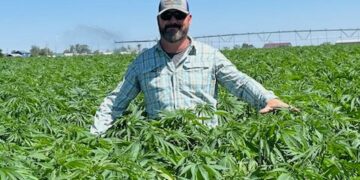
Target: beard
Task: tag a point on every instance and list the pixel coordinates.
(173, 33)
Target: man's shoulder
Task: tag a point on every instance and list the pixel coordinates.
(206, 52)
(148, 60)
(203, 48)
(146, 55)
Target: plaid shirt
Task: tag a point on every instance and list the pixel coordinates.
(167, 86)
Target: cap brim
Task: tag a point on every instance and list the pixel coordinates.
(182, 10)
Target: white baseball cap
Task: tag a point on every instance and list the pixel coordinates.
(181, 5)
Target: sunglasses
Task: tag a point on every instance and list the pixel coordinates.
(176, 14)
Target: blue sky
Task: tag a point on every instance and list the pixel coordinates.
(57, 24)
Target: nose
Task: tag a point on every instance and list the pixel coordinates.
(173, 19)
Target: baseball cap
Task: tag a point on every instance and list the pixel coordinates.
(181, 5)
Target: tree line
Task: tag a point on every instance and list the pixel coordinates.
(36, 51)
(74, 49)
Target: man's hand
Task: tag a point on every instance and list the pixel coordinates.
(276, 104)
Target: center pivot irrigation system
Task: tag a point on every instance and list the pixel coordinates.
(259, 39)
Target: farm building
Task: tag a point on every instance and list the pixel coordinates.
(19, 54)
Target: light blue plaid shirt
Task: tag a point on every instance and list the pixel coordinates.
(166, 86)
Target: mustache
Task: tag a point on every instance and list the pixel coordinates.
(173, 26)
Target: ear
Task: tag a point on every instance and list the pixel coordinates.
(190, 18)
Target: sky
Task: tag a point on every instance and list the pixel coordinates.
(57, 24)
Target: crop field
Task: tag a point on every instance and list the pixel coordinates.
(47, 105)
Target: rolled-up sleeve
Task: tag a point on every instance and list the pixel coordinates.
(240, 84)
(116, 102)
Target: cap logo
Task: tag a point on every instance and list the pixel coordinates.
(172, 2)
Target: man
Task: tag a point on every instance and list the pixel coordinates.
(178, 73)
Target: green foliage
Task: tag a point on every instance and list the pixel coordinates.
(47, 105)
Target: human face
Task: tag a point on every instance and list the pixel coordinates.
(174, 25)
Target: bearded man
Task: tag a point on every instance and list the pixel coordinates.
(179, 72)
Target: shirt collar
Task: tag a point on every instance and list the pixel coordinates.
(192, 46)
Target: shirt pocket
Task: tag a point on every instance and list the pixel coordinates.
(197, 76)
(151, 79)
(154, 83)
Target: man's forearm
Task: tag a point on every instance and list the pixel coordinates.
(105, 115)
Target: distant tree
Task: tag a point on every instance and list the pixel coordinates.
(247, 46)
(83, 49)
(36, 51)
(326, 43)
(139, 47)
(125, 48)
(1, 54)
(73, 49)
(45, 52)
(120, 50)
(96, 52)
(78, 49)
(237, 46)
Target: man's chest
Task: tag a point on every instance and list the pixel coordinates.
(189, 75)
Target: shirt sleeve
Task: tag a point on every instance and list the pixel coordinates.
(240, 84)
(116, 102)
